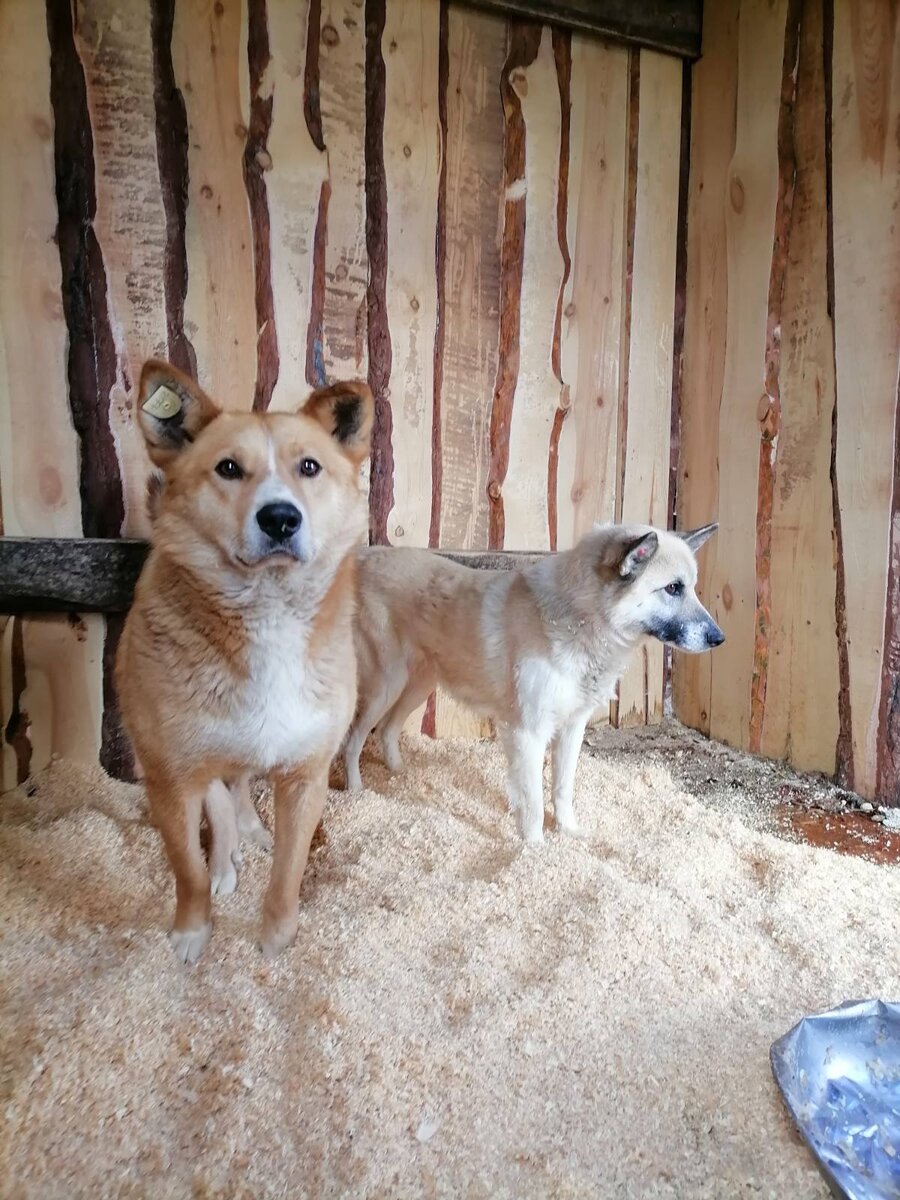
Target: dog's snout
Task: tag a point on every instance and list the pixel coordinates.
(279, 521)
(714, 636)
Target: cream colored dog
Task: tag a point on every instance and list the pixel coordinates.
(237, 656)
(538, 649)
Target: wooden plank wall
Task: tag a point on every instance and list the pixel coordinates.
(475, 213)
(789, 412)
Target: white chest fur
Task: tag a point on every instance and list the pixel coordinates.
(285, 709)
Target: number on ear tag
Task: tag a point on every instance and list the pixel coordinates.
(163, 404)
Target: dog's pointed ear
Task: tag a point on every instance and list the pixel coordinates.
(697, 537)
(172, 410)
(637, 554)
(346, 411)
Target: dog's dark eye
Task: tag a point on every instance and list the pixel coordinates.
(229, 469)
(309, 467)
(676, 588)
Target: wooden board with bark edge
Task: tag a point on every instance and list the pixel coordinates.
(209, 55)
(800, 716)
(537, 390)
(713, 103)
(39, 471)
(866, 202)
(115, 48)
(476, 53)
(750, 200)
(645, 495)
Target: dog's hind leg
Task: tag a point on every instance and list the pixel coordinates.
(525, 781)
(371, 710)
(566, 746)
(415, 693)
(250, 827)
(224, 840)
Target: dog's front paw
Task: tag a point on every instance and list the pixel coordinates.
(189, 944)
(533, 834)
(259, 836)
(277, 935)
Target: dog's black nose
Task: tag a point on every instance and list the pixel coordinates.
(280, 521)
(714, 636)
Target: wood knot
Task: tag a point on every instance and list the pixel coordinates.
(399, 532)
(407, 151)
(518, 81)
(264, 160)
(219, 8)
(240, 130)
(414, 304)
(206, 192)
(727, 597)
(330, 35)
(494, 490)
(50, 486)
(569, 310)
(736, 192)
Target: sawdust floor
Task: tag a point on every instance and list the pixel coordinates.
(458, 1016)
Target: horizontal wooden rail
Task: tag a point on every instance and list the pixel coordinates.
(99, 574)
(673, 26)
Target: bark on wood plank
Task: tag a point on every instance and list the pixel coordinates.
(342, 64)
(714, 87)
(172, 157)
(411, 149)
(114, 44)
(645, 497)
(750, 200)
(209, 53)
(866, 195)
(523, 44)
(537, 390)
(99, 574)
(800, 718)
(472, 330)
(381, 465)
(592, 300)
(668, 25)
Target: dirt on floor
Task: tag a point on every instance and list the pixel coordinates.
(458, 1016)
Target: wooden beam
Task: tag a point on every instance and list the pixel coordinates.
(99, 574)
(672, 26)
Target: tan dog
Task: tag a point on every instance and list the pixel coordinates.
(237, 657)
(537, 649)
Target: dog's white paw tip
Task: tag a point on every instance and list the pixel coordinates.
(573, 831)
(189, 944)
(533, 837)
(224, 882)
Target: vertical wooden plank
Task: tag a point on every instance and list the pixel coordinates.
(537, 391)
(800, 719)
(592, 298)
(50, 681)
(750, 202)
(342, 52)
(114, 44)
(713, 109)
(412, 153)
(477, 49)
(294, 177)
(866, 196)
(209, 55)
(645, 496)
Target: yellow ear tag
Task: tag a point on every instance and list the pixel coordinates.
(163, 404)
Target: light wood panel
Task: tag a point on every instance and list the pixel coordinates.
(50, 676)
(209, 55)
(592, 299)
(645, 493)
